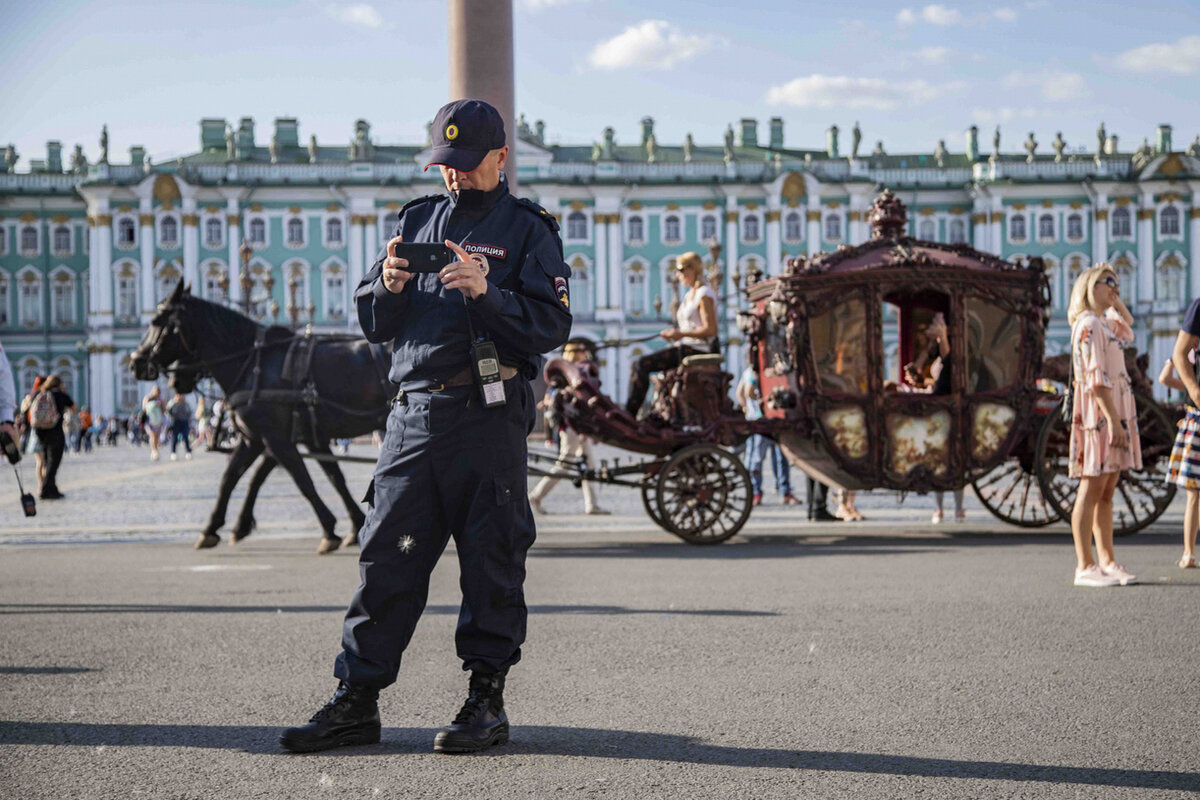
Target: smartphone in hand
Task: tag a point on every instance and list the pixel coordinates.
(424, 256)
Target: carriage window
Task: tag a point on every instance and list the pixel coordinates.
(839, 345)
(993, 346)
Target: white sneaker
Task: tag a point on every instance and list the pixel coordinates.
(536, 505)
(174, 457)
(1120, 574)
(937, 517)
(154, 456)
(598, 512)
(1094, 576)
(187, 457)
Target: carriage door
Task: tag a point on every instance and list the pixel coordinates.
(917, 419)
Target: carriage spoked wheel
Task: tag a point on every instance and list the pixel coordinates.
(649, 489)
(1012, 493)
(1141, 495)
(703, 494)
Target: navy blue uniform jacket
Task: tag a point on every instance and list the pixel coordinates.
(525, 312)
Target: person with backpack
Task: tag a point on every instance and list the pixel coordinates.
(152, 418)
(30, 444)
(46, 412)
(181, 424)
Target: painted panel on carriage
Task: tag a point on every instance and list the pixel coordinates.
(990, 426)
(846, 428)
(918, 442)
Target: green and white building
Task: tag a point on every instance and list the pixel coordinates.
(87, 249)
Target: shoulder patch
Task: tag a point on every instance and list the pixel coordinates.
(541, 213)
(426, 199)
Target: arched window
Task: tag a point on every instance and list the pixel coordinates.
(295, 231)
(1075, 227)
(576, 226)
(62, 240)
(750, 228)
(30, 299)
(334, 293)
(126, 233)
(671, 229)
(29, 239)
(635, 294)
(29, 372)
(333, 232)
(127, 307)
(1121, 223)
(168, 279)
(927, 230)
(128, 388)
(66, 373)
(1016, 228)
(1169, 282)
(258, 231)
(958, 231)
(793, 229)
(708, 228)
(1045, 228)
(168, 232)
(295, 273)
(833, 227)
(1168, 222)
(637, 231)
(580, 287)
(212, 232)
(3, 300)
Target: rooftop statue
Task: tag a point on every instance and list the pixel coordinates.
(996, 142)
(879, 149)
(273, 149)
(1194, 148)
(1101, 139)
(79, 163)
(651, 148)
(10, 157)
(1031, 146)
(688, 147)
(104, 144)
(729, 144)
(312, 149)
(940, 153)
(230, 144)
(855, 140)
(1059, 145)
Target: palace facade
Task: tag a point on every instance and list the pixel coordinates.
(88, 249)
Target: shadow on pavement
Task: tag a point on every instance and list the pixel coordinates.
(44, 670)
(598, 743)
(161, 608)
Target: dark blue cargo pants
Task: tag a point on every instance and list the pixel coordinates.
(448, 468)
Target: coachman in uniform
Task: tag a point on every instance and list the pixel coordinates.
(466, 341)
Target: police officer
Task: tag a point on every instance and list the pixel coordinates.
(453, 457)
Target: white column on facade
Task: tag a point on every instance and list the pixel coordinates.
(812, 216)
(104, 374)
(995, 220)
(1194, 287)
(731, 246)
(1100, 230)
(857, 231)
(616, 252)
(191, 244)
(370, 242)
(774, 237)
(233, 231)
(103, 261)
(600, 261)
(146, 247)
(94, 270)
(355, 266)
(1145, 249)
(980, 239)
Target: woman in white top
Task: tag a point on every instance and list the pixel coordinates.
(695, 331)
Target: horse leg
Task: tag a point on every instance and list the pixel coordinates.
(239, 461)
(245, 524)
(288, 456)
(334, 473)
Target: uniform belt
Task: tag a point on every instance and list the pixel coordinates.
(464, 378)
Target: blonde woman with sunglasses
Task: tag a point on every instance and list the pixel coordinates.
(1104, 434)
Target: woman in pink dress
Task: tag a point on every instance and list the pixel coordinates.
(1104, 433)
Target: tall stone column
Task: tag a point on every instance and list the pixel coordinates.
(481, 62)
(191, 244)
(1100, 231)
(104, 375)
(812, 218)
(146, 270)
(599, 262)
(1194, 213)
(104, 238)
(995, 235)
(979, 228)
(356, 258)
(773, 218)
(616, 277)
(370, 245)
(1145, 250)
(233, 230)
(730, 252)
(93, 271)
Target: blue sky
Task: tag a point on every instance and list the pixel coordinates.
(910, 73)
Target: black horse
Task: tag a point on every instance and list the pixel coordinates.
(341, 391)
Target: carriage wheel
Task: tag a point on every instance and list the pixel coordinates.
(1015, 496)
(650, 502)
(703, 494)
(1141, 496)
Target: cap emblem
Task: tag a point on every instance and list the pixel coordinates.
(451, 132)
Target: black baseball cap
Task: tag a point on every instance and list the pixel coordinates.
(464, 132)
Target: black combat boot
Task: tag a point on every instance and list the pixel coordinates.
(481, 723)
(351, 717)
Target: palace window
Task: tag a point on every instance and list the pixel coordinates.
(833, 227)
(580, 288)
(168, 279)
(258, 231)
(708, 228)
(128, 389)
(750, 231)
(1016, 228)
(126, 233)
(637, 233)
(1121, 225)
(1075, 227)
(335, 295)
(1168, 222)
(62, 240)
(1169, 281)
(576, 226)
(66, 374)
(635, 295)
(927, 230)
(3, 240)
(127, 308)
(212, 232)
(1046, 228)
(671, 231)
(958, 231)
(793, 228)
(296, 273)
(3, 300)
(29, 240)
(63, 297)
(31, 300)
(168, 232)
(295, 231)
(333, 232)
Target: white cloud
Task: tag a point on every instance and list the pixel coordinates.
(986, 116)
(839, 91)
(933, 14)
(1005, 14)
(1053, 86)
(651, 43)
(906, 16)
(1180, 58)
(933, 55)
(361, 14)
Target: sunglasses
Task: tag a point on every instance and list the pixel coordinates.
(1111, 283)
